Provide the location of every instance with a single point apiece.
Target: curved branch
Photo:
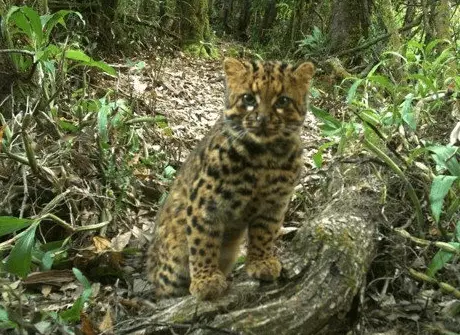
(378, 39)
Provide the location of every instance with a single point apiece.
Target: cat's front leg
(262, 263)
(204, 239)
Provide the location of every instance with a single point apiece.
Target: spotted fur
(239, 179)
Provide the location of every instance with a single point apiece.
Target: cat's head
(266, 99)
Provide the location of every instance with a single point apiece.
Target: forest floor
(189, 93)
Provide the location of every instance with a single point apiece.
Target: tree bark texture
(193, 20)
(324, 266)
(348, 24)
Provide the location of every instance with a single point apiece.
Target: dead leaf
(138, 86)
(455, 135)
(121, 241)
(86, 325)
(46, 290)
(52, 277)
(101, 243)
(106, 325)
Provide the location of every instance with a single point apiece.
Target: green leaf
(73, 314)
(370, 116)
(397, 54)
(5, 322)
(440, 259)
(352, 91)
(68, 126)
(407, 113)
(426, 80)
(35, 25)
(382, 81)
(376, 66)
(169, 172)
(47, 260)
(20, 257)
(318, 156)
(3, 315)
(444, 156)
(102, 121)
(84, 59)
(430, 46)
(11, 224)
(439, 189)
(457, 231)
(50, 21)
(20, 20)
(325, 117)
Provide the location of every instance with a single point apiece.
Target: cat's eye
(282, 102)
(249, 100)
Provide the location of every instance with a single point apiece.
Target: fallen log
(324, 267)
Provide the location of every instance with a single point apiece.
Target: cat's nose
(262, 118)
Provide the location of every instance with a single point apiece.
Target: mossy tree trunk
(349, 23)
(442, 19)
(194, 26)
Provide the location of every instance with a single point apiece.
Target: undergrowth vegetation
(68, 159)
(398, 112)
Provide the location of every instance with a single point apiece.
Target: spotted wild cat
(239, 178)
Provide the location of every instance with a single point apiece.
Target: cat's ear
(234, 68)
(304, 72)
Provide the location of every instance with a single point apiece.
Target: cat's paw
(267, 269)
(209, 287)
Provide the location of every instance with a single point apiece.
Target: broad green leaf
(20, 20)
(445, 56)
(352, 91)
(11, 224)
(84, 59)
(102, 120)
(416, 45)
(318, 159)
(382, 81)
(439, 189)
(122, 110)
(5, 322)
(426, 80)
(440, 259)
(407, 113)
(73, 314)
(318, 156)
(370, 116)
(68, 126)
(325, 117)
(35, 25)
(50, 21)
(169, 172)
(5, 22)
(3, 315)
(47, 261)
(457, 231)
(444, 156)
(20, 257)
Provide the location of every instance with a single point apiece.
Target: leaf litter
(184, 96)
